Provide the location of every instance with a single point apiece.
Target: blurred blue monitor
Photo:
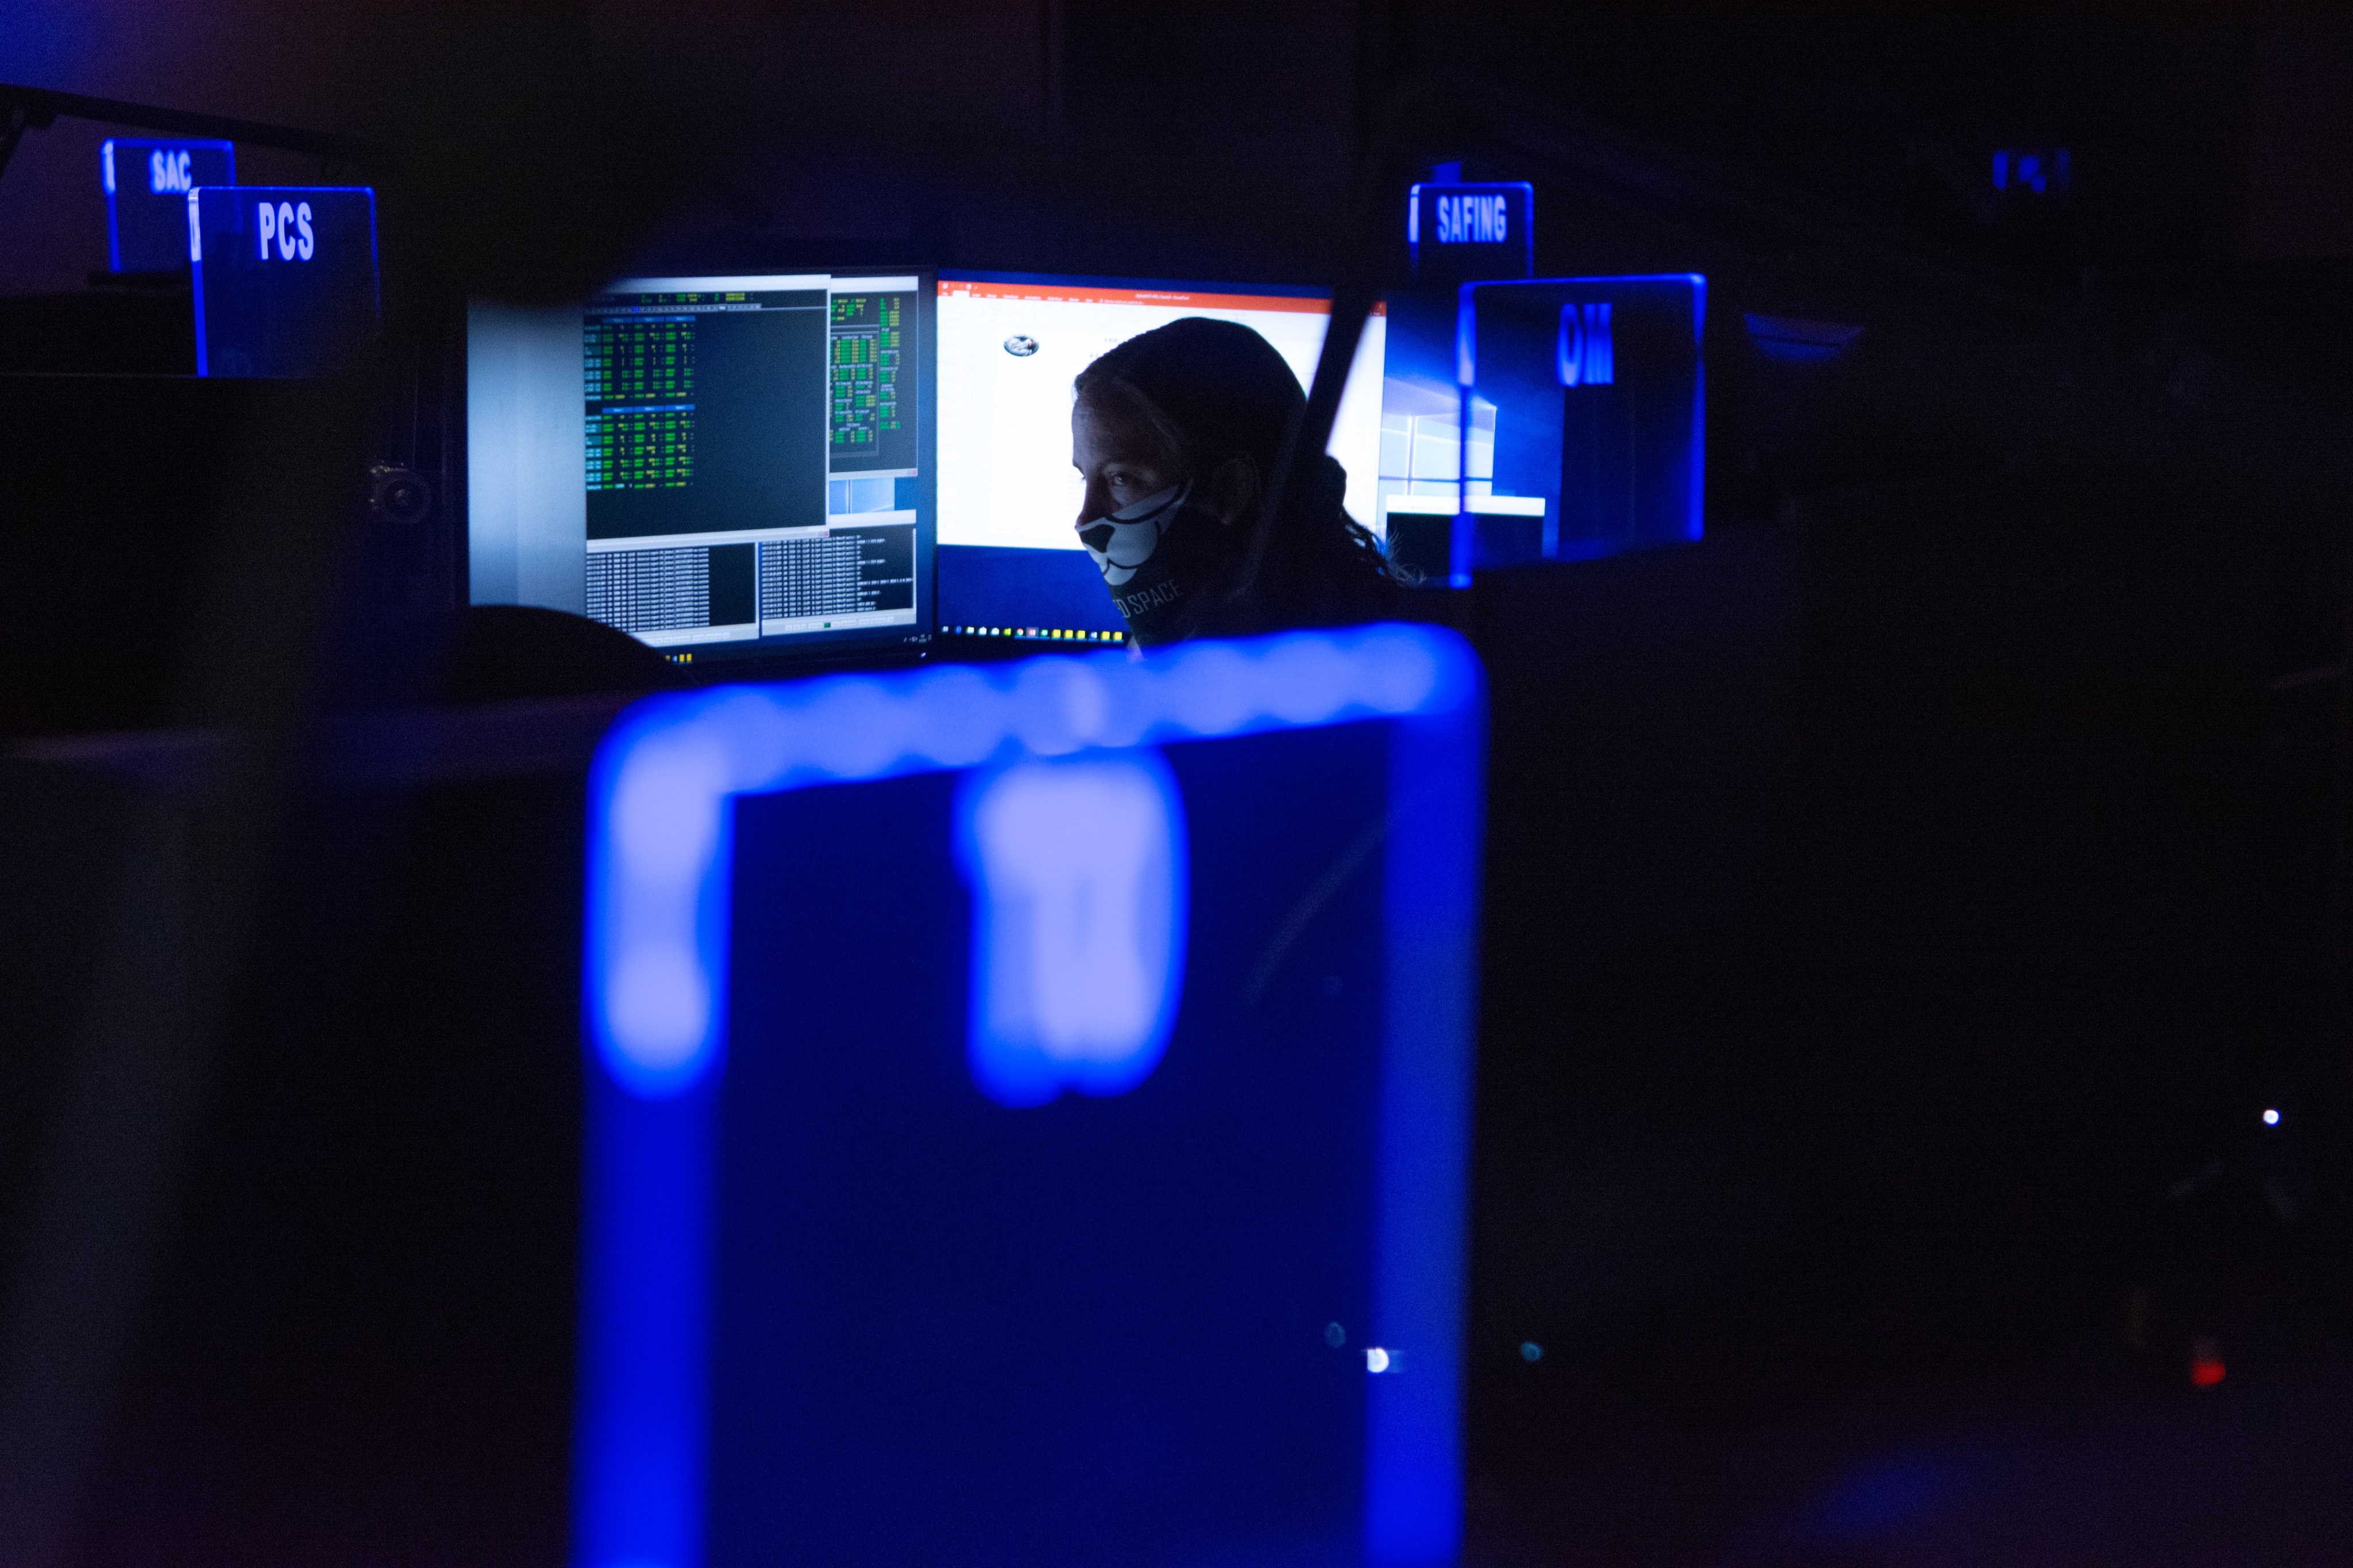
(1587, 397)
(284, 278)
(721, 467)
(1010, 345)
(1029, 1109)
(146, 183)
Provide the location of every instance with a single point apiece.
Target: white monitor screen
(1008, 349)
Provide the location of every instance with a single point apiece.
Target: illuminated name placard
(289, 223)
(1457, 233)
(146, 184)
(1594, 392)
(285, 277)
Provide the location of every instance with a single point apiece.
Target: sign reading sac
(1457, 233)
(285, 277)
(147, 185)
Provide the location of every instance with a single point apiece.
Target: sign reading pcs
(1462, 232)
(285, 277)
(147, 185)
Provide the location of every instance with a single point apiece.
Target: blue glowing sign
(1456, 232)
(285, 277)
(1078, 875)
(734, 1329)
(2036, 171)
(1596, 392)
(147, 184)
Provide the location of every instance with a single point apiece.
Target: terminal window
(752, 457)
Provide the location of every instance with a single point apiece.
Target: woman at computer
(1176, 433)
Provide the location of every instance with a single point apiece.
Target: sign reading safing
(1474, 220)
(1463, 232)
(285, 277)
(147, 184)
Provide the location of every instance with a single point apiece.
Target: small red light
(2205, 1364)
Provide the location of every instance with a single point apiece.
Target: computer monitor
(1010, 343)
(719, 466)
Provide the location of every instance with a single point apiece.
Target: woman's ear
(1233, 490)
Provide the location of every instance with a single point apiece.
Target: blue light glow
(1585, 355)
(284, 278)
(1885, 1495)
(1466, 337)
(145, 181)
(1078, 873)
(658, 866)
(1792, 340)
(1055, 735)
(1528, 370)
(2039, 170)
(1695, 521)
(1476, 228)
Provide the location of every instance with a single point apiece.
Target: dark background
(1900, 908)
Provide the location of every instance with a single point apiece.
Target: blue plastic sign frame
(1454, 233)
(146, 182)
(284, 277)
(1577, 337)
(658, 931)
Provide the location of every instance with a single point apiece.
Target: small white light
(1377, 1359)
(2270, 1119)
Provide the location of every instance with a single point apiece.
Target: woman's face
(1119, 457)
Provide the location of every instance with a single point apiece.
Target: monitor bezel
(769, 657)
(1023, 633)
